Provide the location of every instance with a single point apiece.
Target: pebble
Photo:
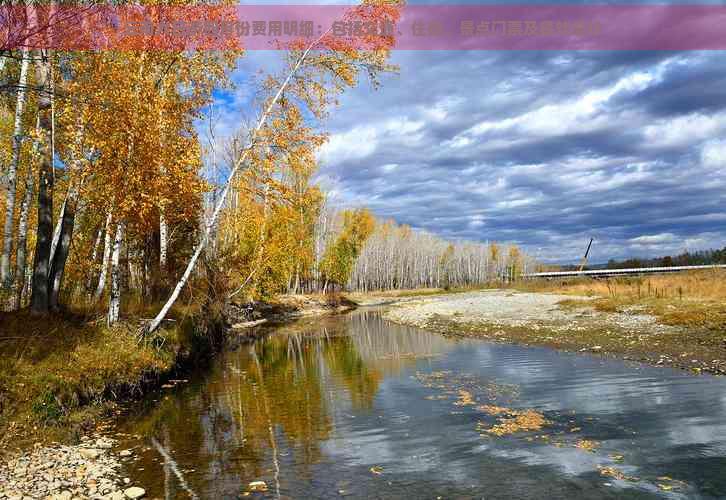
(62, 472)
(134, 492)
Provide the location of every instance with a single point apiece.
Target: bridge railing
(616, 272)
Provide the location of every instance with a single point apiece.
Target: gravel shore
(539, 319)
(87, 470)
(515, 309)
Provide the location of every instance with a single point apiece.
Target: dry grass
(59, 373)
(696, 299)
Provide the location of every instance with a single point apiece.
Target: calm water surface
(356, 407)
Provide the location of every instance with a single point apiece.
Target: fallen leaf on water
(493, 410)
(587, 445)
(465, 398)
(377, 470)
(616, 473)
(528, 420)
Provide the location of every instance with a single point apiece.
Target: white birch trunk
(22, 96)
(114, 302)
(22, 250)
(94, 256)
(163, 242)
(104, 261)
(58, 225)
(223, 196)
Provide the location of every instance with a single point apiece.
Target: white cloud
(713, 154)
(585, 113)
(653, 239)
(683, 130)
(356, 143)
(363, 140)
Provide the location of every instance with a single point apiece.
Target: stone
(89, 453)
(103, 443)
(134, 492)
(125, 453)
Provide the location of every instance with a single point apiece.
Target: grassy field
(695, 300)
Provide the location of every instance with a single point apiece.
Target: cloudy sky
(545, 149)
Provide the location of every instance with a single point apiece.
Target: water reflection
(336, 407)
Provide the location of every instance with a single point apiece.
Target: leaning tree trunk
(40, 296)
(58, 227)
(114, 303)
(225, 191)
(22, 96)
(60, 255)
(59, 251)
(94, 255)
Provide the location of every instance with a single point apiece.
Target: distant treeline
(701, 258)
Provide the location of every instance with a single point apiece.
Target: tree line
(113, 203)
(685, 258)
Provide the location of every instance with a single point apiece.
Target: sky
(544, 149)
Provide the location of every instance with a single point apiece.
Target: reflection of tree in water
(275, 393)
(392, 348)
(272, 403)
(345, 363)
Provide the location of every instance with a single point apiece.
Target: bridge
(597, 273)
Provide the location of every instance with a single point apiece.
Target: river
(353, 406)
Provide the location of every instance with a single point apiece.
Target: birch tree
(114, 301)
(326, 72)
(17, 140)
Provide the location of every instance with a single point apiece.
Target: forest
(113, 203)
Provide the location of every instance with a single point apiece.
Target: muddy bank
(551, 320)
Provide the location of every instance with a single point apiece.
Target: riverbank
(567, 322)
(60, 375)
(63, 375)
